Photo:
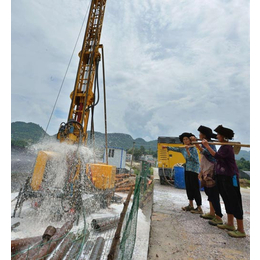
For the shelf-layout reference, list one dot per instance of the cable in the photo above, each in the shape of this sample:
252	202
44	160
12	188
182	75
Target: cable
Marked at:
165	177
96	85
66	70
105	106
84	234
96	88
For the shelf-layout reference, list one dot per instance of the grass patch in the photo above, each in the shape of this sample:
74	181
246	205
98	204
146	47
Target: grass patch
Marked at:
244	183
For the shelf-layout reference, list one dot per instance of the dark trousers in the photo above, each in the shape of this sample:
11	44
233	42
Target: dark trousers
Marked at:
213	197
231	196
192	187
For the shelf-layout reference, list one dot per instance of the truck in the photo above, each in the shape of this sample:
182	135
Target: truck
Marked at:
167	159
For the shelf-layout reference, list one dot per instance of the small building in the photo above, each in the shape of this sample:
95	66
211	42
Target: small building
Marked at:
148	157
116	157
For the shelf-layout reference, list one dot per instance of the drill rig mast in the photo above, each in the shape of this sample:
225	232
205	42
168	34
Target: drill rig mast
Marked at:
82	97
83	101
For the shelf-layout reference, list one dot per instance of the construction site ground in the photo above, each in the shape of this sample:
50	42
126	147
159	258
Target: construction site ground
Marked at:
176	234
164	230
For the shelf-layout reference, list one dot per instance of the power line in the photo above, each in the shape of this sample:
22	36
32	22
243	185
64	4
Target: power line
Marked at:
67	70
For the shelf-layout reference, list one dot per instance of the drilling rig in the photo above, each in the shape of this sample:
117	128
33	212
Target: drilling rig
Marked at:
84	98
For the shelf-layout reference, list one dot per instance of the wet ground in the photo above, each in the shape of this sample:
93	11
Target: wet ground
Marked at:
176	234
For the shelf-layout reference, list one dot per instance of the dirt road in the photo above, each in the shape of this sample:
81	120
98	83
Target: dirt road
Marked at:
176	234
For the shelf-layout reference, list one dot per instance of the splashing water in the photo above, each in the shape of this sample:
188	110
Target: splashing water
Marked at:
58	176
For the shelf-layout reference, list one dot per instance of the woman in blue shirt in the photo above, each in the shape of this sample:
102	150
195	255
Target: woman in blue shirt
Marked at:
191	172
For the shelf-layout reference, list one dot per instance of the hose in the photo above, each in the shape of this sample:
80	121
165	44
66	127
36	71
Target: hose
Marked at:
96	84
165	177
84	235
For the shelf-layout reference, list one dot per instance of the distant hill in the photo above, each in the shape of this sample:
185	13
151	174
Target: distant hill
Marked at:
24	134
124	141
243	154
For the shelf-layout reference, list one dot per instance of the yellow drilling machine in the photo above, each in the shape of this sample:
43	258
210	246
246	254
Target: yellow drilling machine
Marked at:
85	96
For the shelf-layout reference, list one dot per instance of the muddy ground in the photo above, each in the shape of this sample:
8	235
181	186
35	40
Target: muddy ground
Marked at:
176	234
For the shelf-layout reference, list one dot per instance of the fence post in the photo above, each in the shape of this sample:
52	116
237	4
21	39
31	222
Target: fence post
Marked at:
112	253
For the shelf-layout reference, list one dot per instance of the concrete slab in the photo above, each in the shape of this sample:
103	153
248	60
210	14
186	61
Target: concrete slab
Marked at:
176	234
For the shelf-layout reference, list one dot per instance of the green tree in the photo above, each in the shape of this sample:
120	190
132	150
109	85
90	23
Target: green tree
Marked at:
243	164
142	150
137	154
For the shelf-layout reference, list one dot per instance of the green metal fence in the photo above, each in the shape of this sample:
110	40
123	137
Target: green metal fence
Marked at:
127	243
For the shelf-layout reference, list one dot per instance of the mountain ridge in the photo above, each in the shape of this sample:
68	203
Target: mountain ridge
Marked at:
25	134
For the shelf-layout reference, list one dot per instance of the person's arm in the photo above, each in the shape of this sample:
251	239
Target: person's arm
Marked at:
206	144
207	154
224	153
188	150
175	149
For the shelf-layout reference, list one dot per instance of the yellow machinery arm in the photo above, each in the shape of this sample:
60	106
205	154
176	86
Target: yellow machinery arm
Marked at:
82	101
82	97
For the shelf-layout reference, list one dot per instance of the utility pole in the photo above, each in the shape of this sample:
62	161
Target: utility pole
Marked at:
132	156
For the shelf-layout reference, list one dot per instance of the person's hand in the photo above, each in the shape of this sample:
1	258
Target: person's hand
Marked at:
205	143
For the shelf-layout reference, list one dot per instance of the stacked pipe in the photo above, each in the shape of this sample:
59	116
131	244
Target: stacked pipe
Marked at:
64	247
43	245
124	182
102	224
23	243
47	249
98	248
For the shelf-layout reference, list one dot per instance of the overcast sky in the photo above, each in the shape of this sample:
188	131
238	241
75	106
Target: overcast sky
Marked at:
171	66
